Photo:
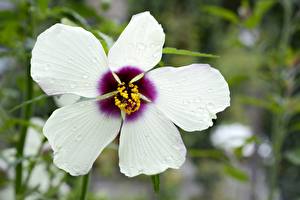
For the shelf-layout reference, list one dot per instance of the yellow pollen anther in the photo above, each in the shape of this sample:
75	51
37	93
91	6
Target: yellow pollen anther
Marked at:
127	98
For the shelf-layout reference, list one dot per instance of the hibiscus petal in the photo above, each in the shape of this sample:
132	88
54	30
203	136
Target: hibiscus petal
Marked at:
139	45
68	59
78	133
150	144
190	96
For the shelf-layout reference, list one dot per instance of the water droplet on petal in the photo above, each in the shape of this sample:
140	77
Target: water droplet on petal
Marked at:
209	90
95	60
78	138
47	66
210	105
131	46
171	89
74	128
85	76
168	159
183	79
152	46
198	100
58	146
177	147
155	55
90	47
131	168
141	46
200	109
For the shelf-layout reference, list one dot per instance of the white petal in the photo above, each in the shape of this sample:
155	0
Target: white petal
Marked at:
78	133
139	45
68	59
150	145
190	96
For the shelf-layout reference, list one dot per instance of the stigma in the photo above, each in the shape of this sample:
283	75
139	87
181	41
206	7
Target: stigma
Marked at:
128	98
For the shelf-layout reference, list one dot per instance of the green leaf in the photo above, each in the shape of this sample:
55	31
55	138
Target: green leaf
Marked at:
43	5
293	156
38	98
294	127
13	121
222	13
207	153
171	50
294	104
155	182
67	12
268	104
236	173
261	7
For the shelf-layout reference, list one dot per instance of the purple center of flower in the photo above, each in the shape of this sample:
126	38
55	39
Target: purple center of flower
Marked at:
134	104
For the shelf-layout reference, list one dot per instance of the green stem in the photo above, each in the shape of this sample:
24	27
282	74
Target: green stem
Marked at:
155	182
278	139
84	186
26	114
286	28
24	9
280	119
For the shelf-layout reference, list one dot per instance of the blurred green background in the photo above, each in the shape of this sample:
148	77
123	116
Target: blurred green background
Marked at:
251	153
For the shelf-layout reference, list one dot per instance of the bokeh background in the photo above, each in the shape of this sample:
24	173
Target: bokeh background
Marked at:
251	153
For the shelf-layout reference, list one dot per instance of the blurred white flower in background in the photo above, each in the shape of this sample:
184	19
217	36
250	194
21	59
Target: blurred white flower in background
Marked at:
7	156
34	138
248	37
40	177
4	63
265	150
231	136
228	137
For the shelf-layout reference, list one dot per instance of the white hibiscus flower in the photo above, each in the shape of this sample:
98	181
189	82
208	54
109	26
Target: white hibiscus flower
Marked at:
123	96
